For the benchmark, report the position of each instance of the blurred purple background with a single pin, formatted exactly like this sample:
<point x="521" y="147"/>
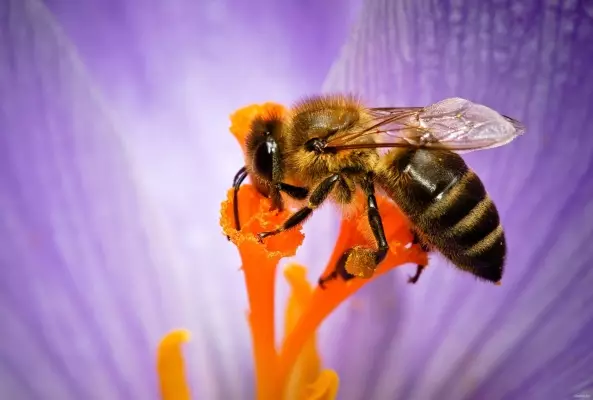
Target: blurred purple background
<point x="115" y="156"/>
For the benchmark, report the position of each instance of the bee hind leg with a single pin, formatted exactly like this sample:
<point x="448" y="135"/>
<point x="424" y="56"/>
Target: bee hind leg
<point x="413" y="279"/>
<point x="419" y="268"/>
<point x="338" y="272"/>
<point x="360" y="261"/>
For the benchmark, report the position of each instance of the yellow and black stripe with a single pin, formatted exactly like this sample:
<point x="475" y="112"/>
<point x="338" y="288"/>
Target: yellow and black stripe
<point x="447" y="203"/>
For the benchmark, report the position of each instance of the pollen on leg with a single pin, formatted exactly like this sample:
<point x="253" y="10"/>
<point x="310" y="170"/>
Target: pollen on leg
<point x="360" y="262"/>
<point x="354" y="232"/>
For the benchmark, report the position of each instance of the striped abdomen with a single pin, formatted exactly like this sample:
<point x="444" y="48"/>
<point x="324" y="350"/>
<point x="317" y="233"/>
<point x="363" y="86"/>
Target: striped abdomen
<point x="447" y="203"/>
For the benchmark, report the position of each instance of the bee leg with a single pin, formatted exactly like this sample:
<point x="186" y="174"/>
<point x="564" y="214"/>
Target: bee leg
<point x="277" y="203"/>
<point x="419" y="267"/>
<point x="296" y="192"/>
<point x="338" y="272"/>
<point x="318" y="196"/>
<point x="237" y="181"/>
<point x="365" y="260"/>
<point x="362" y="261"/>
<point x="375" y="220"/>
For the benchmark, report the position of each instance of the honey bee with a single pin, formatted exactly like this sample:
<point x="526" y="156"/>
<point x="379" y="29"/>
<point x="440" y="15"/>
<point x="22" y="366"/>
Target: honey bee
<point x="330" y="147"/>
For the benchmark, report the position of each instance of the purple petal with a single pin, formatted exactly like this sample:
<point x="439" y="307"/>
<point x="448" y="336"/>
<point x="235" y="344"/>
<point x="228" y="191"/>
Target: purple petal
<point x="458" y="338"/>
<point x="65" y="199"/>
<point x="112" y="179"/>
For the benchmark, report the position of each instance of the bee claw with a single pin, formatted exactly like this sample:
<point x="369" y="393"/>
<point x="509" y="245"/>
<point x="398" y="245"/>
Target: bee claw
<point x="262" y="235"/>
<point x="413" y="279"/>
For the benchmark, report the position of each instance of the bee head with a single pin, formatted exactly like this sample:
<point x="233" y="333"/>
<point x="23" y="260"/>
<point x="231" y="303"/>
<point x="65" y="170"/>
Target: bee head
<point x="263" y="148"/>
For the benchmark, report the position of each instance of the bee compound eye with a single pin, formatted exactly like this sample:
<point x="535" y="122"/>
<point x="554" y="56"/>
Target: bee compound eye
<point x="263" y="160"/>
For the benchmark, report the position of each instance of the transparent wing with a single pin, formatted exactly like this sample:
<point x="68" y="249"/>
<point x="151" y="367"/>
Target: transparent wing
<point x="454" y="124"/>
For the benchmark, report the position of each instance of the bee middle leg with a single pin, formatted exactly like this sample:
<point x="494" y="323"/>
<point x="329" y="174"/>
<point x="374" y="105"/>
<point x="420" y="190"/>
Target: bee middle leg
<point x="318" y="196"/>
<point x="361" y="261"/>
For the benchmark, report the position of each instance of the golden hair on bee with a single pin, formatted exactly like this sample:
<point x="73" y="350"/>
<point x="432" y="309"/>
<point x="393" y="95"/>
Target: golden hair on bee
<point x="327" y="148"/>
<point x="312" y="105"/>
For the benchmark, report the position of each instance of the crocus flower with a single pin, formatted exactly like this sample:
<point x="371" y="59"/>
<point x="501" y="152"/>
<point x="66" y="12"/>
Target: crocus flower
<point x="116" y="156"/>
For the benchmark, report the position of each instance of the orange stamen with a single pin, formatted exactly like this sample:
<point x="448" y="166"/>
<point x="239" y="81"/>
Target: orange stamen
<point x="325" y="387"/>
<point x="296" y="371"/>
<point x="259" y="267"/>
<point x="307" y="380"/>
<point x="171" y="368"/>
<point x="353" y="231"/>
<point x="308" y="365"/>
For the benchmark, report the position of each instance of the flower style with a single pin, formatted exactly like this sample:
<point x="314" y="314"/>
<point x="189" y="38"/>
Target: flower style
<point x="294" y="371"/>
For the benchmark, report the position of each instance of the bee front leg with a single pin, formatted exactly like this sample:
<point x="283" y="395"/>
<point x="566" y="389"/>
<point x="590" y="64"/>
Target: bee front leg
<point x="318" y="196"/>
<point x="277" y="203"/>
<point x="296" y="192"/>
<point x="237" y="181"/>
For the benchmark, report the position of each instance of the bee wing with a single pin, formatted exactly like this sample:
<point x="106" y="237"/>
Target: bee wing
<point x="454" y="124"/>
